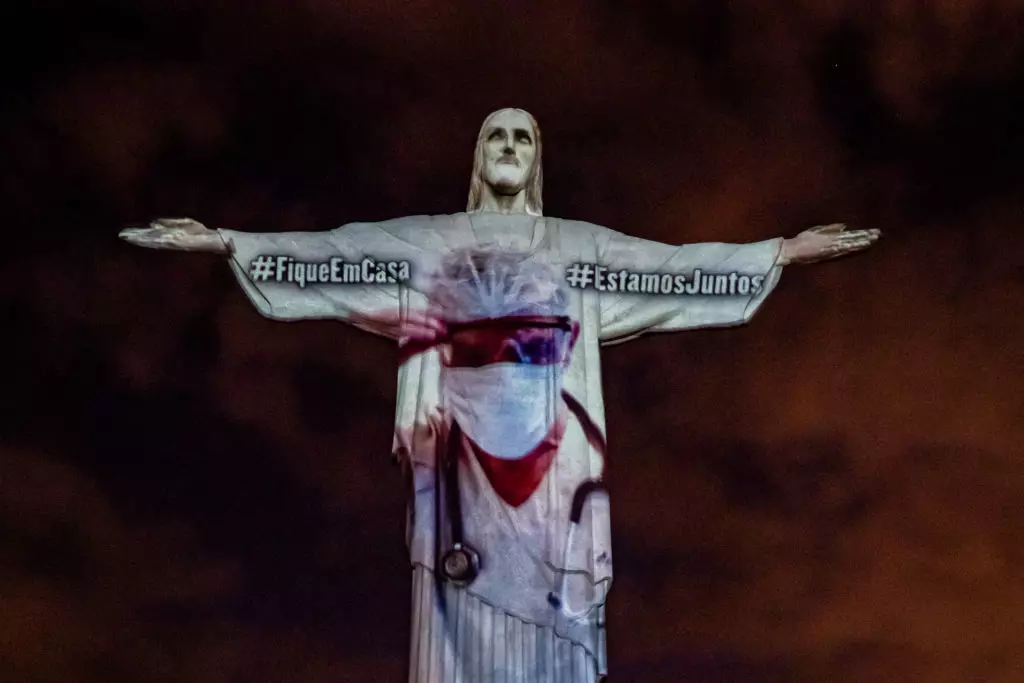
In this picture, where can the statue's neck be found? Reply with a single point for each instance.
(503, 203)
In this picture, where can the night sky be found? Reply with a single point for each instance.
(835, 492)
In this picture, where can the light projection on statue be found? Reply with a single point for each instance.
(500, 313)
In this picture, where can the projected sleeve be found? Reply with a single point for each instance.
(646, 286)
(353, 273)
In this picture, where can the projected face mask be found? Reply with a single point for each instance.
(503, 380)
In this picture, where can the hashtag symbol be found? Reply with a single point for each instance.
(261, 268)
(579, 275)
(572, 275)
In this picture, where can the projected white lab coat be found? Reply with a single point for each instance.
(501, 627)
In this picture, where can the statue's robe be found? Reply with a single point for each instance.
(502, 627)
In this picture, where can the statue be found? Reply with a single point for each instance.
(499, 313)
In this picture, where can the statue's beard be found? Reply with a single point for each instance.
(506, 179)
(509, 189)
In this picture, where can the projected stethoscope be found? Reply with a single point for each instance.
(460, 564)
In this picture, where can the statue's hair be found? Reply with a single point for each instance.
(476, 284)
(534, 184)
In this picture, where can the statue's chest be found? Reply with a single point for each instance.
(534, 234)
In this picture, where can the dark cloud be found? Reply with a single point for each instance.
(191, 492)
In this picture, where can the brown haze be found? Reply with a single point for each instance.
(189, 492)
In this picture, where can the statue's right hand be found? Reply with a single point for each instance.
(177, 233)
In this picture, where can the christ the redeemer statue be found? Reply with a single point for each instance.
(500, 313)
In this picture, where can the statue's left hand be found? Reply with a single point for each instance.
(826, 242)
(177, 233)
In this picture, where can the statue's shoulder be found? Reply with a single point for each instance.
(403, 227)
(580, 232)
(408, 221)
(578, 226)
(421, 220)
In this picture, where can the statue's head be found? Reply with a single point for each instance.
(508, 159)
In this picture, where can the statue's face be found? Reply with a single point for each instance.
(509, 151)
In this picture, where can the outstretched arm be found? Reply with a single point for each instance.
(375, 306)
(720, 285)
